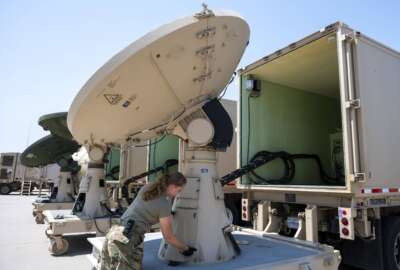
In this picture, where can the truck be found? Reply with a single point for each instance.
(13, 173)
(214, 41)
(321, 116)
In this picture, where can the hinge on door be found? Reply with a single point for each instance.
(358, 177)
(353, 104)
(351, 36)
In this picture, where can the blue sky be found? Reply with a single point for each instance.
(48, 49)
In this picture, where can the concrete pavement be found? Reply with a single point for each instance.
(23, 244)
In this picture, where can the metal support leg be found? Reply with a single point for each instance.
(301, 230)
(362, 225)
(311, 223)
(274, 223)
(262, 215)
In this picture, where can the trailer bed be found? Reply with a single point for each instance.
(63, 222)
(258, 251)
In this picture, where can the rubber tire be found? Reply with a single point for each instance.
(5, 189)
(54, 250)
(39, 219)
(391, 229)
(15, 186)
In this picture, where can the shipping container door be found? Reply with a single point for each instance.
(377, 83)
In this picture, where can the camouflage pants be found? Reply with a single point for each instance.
(121, 253)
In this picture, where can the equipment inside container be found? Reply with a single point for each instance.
(295, 117)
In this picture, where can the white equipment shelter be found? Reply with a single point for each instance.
(168, 82)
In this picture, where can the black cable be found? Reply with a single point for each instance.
(110, 217)
(124, 189)
(290, 167)
(176, 117)
(153, 143)
(114, 170)
(226, 87)
(286, 159)
(97, 227)
(264, 157)
(157, 126)
(111, 213)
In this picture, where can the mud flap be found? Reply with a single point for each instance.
(364, 254)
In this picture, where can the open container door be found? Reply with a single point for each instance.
(349, 106)
(297, 115)
(372, 110)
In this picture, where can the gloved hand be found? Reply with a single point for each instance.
(189, 251)
(128, 229)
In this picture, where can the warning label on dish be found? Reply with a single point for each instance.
(113, 99)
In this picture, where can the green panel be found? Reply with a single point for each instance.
(167, 148)
(56, 123)
(291, 120)
(112, 166)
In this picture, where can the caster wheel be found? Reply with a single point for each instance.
(39, 219)
(59, 249)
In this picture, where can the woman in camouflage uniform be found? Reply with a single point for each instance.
(123, 246)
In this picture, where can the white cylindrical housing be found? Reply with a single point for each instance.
(94, 185)
(200, 214)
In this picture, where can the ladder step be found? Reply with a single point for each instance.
(26, 188)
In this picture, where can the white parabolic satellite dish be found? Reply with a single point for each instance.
(157, 77)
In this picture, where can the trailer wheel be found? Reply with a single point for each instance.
(391, 243)
(5, 189)
(59, 249)
(39, 219)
